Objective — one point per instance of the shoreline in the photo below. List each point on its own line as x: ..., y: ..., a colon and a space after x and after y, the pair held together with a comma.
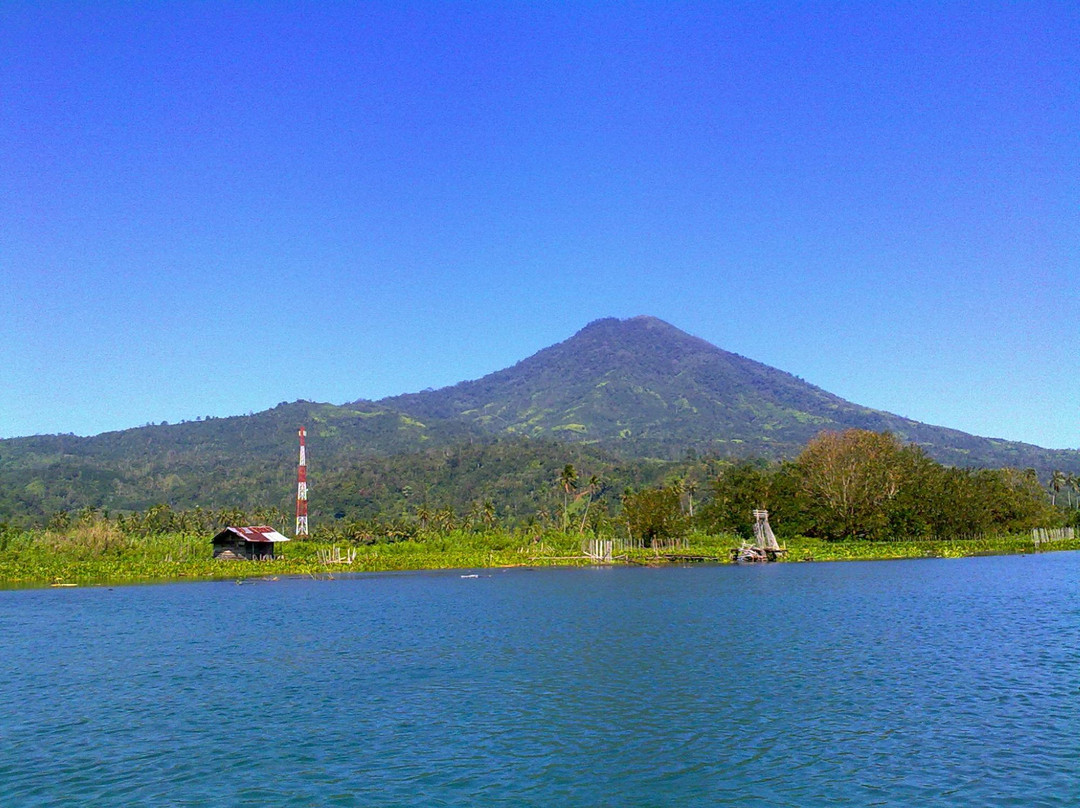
x: 40, y: 568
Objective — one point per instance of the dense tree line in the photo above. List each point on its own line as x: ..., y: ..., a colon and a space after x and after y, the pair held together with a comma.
x: 844, y: 485
x: 162, y: 519
x: 867, y: 485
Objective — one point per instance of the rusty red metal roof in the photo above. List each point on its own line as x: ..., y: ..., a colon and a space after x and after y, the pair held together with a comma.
x: 255, y: 533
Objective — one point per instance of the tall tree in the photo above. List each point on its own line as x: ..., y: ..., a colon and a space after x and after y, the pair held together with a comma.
x: 849, y: 479
x: 1057, y: 482
x: 678, y: 485
x: 654, y: 514
x: 488, y: 515
x: 568, y: 482
x: 590, y: 489
x: 737, y: 491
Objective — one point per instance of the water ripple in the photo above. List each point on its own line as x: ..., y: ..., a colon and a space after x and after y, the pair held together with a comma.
x: 949, y: 683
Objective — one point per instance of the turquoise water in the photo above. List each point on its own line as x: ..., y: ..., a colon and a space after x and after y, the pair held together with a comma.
x: 944, y: 683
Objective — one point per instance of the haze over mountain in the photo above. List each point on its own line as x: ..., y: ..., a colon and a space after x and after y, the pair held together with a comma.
x: 617, y: 391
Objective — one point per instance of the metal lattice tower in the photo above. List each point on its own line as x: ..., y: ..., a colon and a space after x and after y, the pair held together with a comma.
x: 301, y: 489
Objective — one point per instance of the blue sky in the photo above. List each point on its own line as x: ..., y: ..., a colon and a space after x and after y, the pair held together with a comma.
x: 208, y: 208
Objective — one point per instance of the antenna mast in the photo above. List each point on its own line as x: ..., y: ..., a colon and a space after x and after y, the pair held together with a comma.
x: 301, y: 489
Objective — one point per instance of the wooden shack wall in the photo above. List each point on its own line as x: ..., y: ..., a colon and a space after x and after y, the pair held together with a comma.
x: 259, y: 551
x: 235, y: 548
x: 230, y: 549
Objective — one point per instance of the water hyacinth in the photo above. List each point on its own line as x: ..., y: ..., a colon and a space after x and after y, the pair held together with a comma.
x: 99, y: 551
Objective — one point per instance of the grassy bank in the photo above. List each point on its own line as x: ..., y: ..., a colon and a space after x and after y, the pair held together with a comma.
x: 806, y: 549
x: 43, y: 558
x: 97, y: 555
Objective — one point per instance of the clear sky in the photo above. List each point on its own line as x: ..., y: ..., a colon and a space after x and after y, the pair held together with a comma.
x: 208, y: 208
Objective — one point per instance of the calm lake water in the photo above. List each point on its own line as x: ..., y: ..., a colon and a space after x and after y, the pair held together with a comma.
x: 920, y: 683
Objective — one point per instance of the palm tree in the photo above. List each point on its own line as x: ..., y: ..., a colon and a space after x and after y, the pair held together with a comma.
x: 488, y: 515
x: 590, y: 489
x: 679, y: 487
x: 1057, y: 481
x: 444, y: 519
x: 184, y: 522
x: 1073, y: 482
x: 476, y: 512
x: 691, y: 489
x: 568, y: 480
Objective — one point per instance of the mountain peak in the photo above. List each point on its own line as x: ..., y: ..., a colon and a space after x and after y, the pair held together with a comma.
x: 638, y: 321
x: 643, y: 326
x: 646, y: 388
x: 634, y: 382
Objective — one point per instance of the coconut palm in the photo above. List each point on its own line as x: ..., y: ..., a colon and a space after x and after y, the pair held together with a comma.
x: 590, y: 489
x: 568, y: 482
x: 445, y: 519
x: 678, y: 485
x: 1057, y: 482
x: 475, y: 516
x: 488, y: 514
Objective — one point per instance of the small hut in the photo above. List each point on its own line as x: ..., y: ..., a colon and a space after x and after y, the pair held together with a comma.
x: 254, y: 543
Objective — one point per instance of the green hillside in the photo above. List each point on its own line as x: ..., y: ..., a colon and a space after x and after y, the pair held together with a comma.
x: 625, y: 399
x: 242, y: 461
x: 644, y: 388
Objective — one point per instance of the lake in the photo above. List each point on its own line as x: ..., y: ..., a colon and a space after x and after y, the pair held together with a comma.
x: 933, y: 682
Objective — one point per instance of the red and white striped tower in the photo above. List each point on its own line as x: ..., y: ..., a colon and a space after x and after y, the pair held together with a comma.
x: 301, y: 489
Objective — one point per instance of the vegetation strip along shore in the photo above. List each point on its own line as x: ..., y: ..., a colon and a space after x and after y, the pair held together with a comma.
x: 848, y: 495
x: 31, y: 559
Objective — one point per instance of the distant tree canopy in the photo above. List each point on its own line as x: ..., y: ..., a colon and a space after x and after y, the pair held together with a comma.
x: 654, y: 514
x: 634, y: 402
x: 867, y: 485
x: 849, y: 482
x: 854, y: 484
x: 736, y: 491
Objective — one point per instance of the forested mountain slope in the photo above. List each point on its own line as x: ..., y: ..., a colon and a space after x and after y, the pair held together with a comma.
x: 241, y: 461
x: 615, y: 394
x: 644, y: 388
